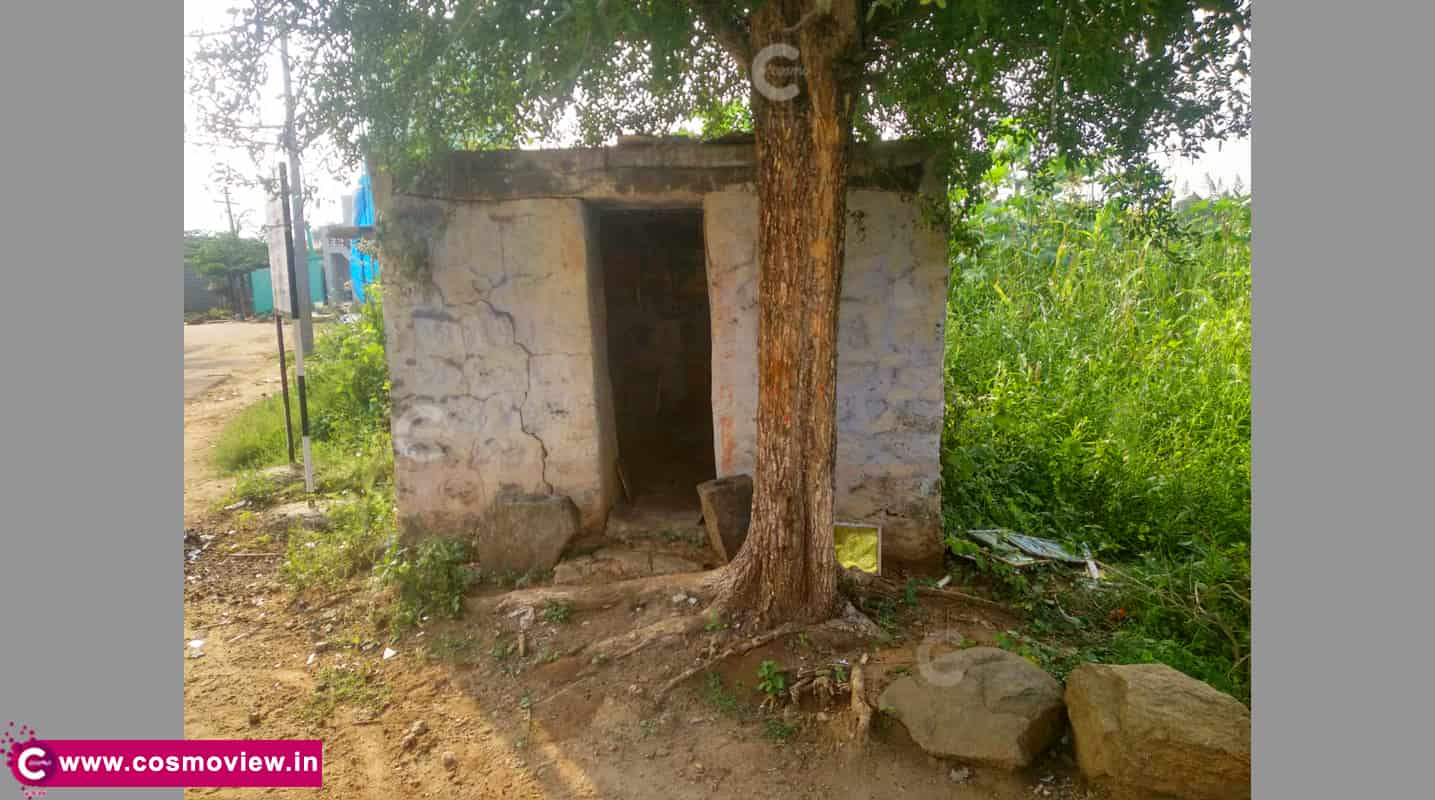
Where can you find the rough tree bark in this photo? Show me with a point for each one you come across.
(787, 569)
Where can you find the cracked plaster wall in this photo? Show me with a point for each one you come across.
(496, 360)
(500, 379)
(889, 363)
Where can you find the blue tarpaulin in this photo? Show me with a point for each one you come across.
(363, 269)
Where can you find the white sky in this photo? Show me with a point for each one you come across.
(203, 205)
(204, 210)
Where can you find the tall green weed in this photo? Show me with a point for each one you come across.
(348, 395)
(1098, 391)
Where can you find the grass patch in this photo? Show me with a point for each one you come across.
(450, 648)
(779, 731)
(348, 397)
(361, 531)
(355, 465)
(256, 488)
(429, 579)
(364, 690)
(727, 701)
(557, 613)
(255, 437)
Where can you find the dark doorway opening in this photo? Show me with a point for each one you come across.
(659, 352)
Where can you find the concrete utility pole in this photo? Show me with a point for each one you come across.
(304, 324)
(229, 212)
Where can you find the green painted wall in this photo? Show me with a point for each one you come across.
(264, 290)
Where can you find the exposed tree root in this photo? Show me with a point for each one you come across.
(750, 643)
(824, 682)
(851, 623)
(868, 584)
(617, 648)
(597, 596)
(861, 709)
(620, 647)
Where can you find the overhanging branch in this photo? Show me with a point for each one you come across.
(729, 32)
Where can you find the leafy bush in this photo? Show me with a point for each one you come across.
(429, 579)
(350, 372)
(354, 464)
(348, 395)
(361, 532)
(770, 679)
(1098, 391)
(557, 613)
(255, 487)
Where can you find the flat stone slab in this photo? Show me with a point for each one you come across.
(1150, 728)
(620, 564)
(982, 705)
(524, 532)
(727, 512)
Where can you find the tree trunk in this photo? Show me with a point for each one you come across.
(787, 568)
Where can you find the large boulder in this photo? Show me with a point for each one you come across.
(727, 511)
(1149, 728)
(525, 532)
(982, 705)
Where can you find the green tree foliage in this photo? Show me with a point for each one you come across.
(1100, 81)
(220, 255)
(226, 260)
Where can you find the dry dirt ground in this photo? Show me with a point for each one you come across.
(227, 366)
(465, 709)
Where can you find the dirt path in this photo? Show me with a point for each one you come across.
(462, 709)
(227, 366)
